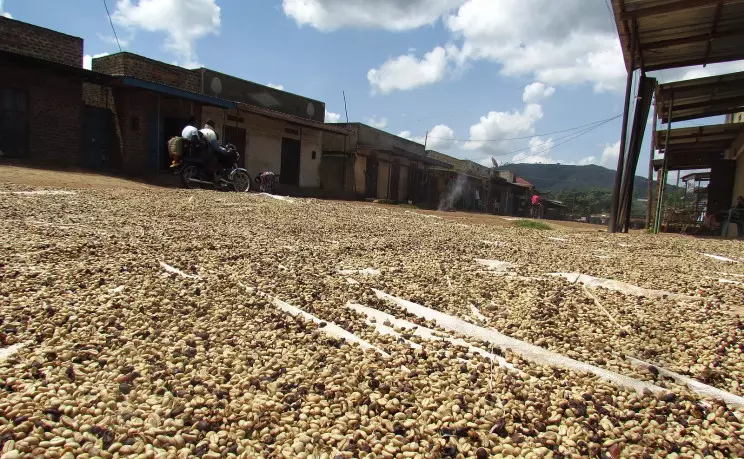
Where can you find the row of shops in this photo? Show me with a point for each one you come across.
(118, 117)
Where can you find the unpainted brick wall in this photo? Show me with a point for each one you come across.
(54, 114)
(22, 38)
(129, 64)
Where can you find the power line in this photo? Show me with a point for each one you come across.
(569, 138)
(112, 25)
(529, 136)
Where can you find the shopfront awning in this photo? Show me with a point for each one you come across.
(172, 91)
(700, 98)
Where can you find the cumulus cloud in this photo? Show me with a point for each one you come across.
(539, 152)
(609, 155)
(276, 86)
(182, 21)
(408, 72)
(331, 117)
(88, 60)
(441, 137)
(535, 92)
(380, 123)
(393, 15)
(4, 13)
(486, 135)
(567, 43)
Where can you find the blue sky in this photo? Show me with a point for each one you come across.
(478, 71)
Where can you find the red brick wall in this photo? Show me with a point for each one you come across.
(54, 114)
(31, 40)
(147, 69)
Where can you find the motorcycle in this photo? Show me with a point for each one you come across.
(194, 174)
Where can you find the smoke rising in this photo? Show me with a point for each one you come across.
(453, 193)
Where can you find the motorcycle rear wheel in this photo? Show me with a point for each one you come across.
(241, 181)
(188, 173)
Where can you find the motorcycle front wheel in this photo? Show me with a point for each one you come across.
(241, 181)
(188, 173)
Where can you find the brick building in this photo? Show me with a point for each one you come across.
(41, 79)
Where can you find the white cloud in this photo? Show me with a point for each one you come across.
(588, 160)
(609, 155)
(276, 86)
(539, 153)
(441, 137)
(377, 123)
(535, 92)
(568, 42)
(183, 21)
(407, 72)
(690, 73)
(4, 13)
(394, 15)
(111, 40)
(331, 117)
(486, 136)
(88, 60)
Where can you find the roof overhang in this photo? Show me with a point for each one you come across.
(698, 176)
(700, 98)
(397, 151)
(159, 88)
(661, 34)
(696, 147)
(292, 119)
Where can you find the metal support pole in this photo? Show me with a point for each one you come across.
(621, 156)
(660, 199)
(157, 166)
(651, 171)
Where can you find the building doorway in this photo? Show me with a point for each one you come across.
(236, 136)
(394, 181)
(370, 178)
(98, 130)
(290, 165)
(14, 123)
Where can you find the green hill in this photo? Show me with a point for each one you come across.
(553, 178)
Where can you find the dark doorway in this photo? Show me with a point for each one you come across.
(98, 131)
(14, 123)
(172, 127)
(370, 178)
(236, 136)
(394, 181)
(290, 167)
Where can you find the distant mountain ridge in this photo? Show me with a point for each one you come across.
(553, 178)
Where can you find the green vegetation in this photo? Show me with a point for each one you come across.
(533, 224)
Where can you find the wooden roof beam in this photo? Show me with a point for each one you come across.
(691, 39)
(705, 114)
(667, 8)
(699, 61)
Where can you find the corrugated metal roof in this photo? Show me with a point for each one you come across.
(700, 98)
(716, 137)
(697, 147)
(679, 33)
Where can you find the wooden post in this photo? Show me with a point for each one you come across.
(615, 203)
(651, 170)
(660, 199)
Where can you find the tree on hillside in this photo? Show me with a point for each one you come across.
(586, 202)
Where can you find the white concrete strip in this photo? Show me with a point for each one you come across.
(511, 219)
(364, 272)
(118, 289)
(352, 281)
(729, 281)
(719, 258)
(274, 196)
(733, 275)
(495, 243)
(382, 328)
(732, 400)
(477, 314)
(424, 215)
(449, 282)
(329, 328)
(177, 271)
(622, 287)
(526, 350)
(38, 192)
(10, 350)
(426, 333)
(510, 275)
(558, 239)
(495, 265)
